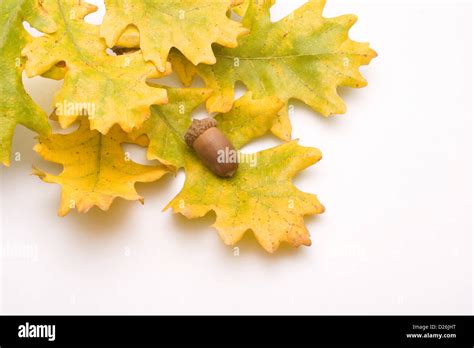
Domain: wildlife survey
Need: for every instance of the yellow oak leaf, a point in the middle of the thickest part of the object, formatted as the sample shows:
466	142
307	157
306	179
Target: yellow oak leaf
95	168
304	56
109	90
260	197
191	26
16	106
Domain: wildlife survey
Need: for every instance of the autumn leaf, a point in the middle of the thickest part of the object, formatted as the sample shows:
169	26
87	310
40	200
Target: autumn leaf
261	196
96	170
16	106
109	90
303	56
191	26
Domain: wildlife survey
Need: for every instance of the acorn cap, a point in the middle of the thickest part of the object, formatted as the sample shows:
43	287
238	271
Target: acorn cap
197	128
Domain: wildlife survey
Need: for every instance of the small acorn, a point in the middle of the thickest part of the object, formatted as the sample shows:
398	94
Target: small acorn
210	145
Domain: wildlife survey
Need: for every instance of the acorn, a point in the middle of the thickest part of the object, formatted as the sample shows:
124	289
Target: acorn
212	147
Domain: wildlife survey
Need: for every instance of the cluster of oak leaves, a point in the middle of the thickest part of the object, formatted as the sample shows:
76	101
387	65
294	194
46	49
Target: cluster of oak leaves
303	56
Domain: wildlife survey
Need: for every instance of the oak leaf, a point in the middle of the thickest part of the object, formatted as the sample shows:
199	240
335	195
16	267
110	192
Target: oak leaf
304	56
96	170
109	90
191	26
261	196
16	106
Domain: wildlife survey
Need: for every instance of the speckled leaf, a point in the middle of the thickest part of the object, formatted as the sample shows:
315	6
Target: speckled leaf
259	198
16	106
96	170
192	26
303	56
109	90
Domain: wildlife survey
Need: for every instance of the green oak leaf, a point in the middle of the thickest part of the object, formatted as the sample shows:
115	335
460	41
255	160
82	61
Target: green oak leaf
16	106
304	56
260	197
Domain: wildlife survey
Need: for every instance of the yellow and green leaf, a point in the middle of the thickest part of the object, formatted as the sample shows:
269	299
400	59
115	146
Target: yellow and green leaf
191	26
16	106
109	90
260	197
95	168
304	56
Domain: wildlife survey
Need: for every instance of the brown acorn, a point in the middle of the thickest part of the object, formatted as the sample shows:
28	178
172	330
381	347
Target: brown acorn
210	144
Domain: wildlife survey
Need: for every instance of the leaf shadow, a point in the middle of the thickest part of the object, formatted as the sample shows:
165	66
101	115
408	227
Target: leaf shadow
332	122
158	188
347	94
185	225
248	245
99	222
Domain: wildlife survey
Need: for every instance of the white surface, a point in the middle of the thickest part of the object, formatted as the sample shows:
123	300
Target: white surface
395	179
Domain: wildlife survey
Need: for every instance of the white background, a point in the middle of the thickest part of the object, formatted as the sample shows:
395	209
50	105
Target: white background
395	179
